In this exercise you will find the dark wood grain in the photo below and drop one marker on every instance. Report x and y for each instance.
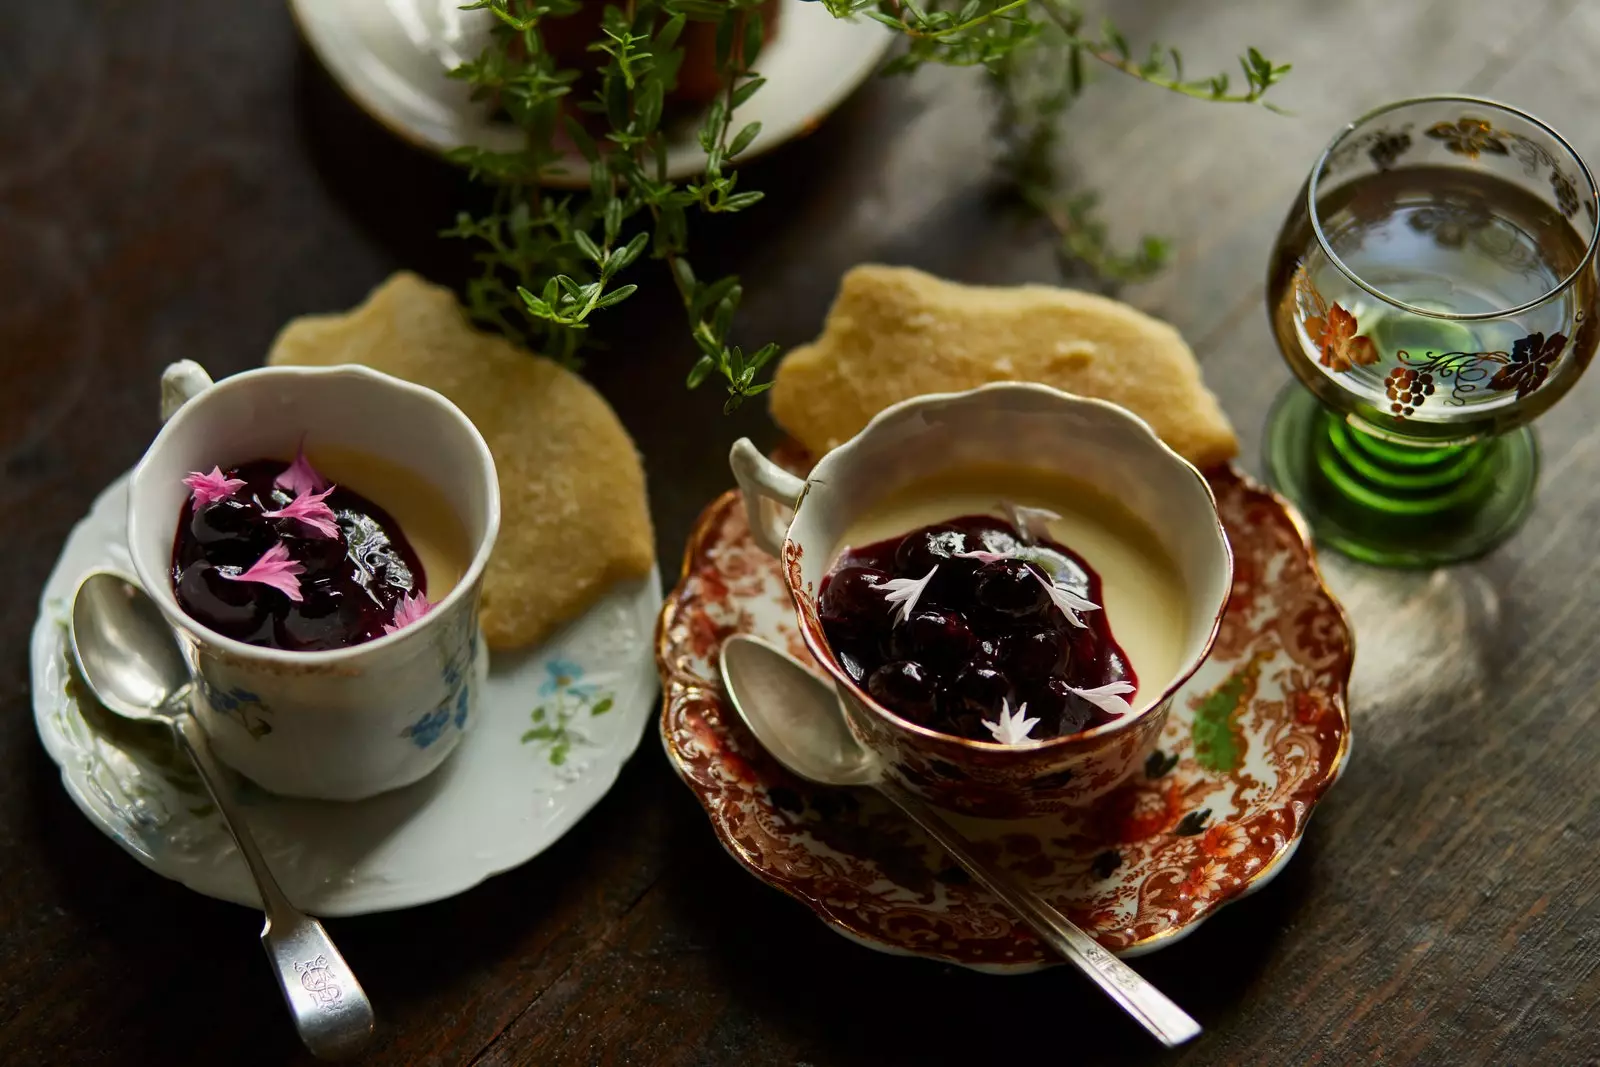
(178, 178)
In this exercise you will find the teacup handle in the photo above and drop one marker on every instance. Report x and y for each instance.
(767, 489)
(181, 382)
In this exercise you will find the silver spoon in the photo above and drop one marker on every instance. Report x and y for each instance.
(132, 662)
(796, 716)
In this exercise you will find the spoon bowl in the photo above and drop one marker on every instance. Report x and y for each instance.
(125, 650)
(796, 716)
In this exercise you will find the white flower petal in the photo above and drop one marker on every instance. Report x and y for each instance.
(984, 557)
(905, 592)
(1067, 602)
(1032, 523)
(1108, 697)
(1012, 729)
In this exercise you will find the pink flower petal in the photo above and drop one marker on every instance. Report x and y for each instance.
(274, 569)
(309, 509)
(411, 607)
(209, 488)
(300, 476)
(984, 557)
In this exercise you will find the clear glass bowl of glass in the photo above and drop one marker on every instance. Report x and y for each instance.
(1433, 289)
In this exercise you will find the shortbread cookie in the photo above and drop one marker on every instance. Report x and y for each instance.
(894, 333)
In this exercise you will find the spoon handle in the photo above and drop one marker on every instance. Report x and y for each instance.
(1170, 1024)
(330, 1009)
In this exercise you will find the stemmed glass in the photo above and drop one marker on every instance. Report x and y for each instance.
(1433, 288)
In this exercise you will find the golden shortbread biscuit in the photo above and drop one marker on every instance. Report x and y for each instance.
(894, 333)
(574, 518)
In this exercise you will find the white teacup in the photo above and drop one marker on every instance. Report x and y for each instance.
(1007, 424)
(346, 723)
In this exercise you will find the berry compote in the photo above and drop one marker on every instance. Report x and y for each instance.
(983, 633)
(350, 587)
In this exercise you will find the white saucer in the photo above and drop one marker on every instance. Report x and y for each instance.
(534, 762)
(391, 58)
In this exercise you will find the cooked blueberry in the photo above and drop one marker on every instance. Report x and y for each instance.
(1034, 653)
(921, 551)
(1011, 587)
(1058, 708)
(987, 652)
(851, 595)
(904, 687)
(321, 556)
(1086, 664)
(937, 637)
(231, 608)
(998, 538)
(979, 691)
(857, 662)
(231, 532)
(324, 621)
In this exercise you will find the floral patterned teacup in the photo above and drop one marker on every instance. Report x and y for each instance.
(1008, 424)
(352, 722)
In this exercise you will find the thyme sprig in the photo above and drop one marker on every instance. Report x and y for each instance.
(547, 261)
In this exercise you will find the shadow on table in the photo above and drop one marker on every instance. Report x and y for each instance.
(830, 1001)
(164, 944)
(147, 934)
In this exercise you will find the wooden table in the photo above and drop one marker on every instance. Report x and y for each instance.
(178, 179)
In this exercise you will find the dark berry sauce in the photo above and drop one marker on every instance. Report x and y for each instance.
(982, 633)
(349, 589)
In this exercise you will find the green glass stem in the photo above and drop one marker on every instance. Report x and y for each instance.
(1391, 503)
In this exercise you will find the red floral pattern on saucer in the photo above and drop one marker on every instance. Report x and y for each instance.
(1252, 742)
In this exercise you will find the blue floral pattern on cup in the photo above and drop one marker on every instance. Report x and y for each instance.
(238, 703)
(453, 708)
(426, 730)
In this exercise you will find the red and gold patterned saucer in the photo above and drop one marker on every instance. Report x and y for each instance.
(1253, 741)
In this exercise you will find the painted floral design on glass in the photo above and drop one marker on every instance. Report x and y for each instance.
(1529, 363)
(1333, 330)
(1522, 370)
(1469, 137)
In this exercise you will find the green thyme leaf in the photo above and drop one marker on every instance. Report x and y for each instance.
(587, 246)
(753, 33)
(747, 90)
(667, 39)
(616, 296)
(703, 367)
(742, 141)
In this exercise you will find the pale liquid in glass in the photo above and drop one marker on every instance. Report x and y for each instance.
(1445, 239)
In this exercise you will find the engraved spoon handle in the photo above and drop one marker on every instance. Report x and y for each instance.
(330, 1009)
(1167, 1022)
